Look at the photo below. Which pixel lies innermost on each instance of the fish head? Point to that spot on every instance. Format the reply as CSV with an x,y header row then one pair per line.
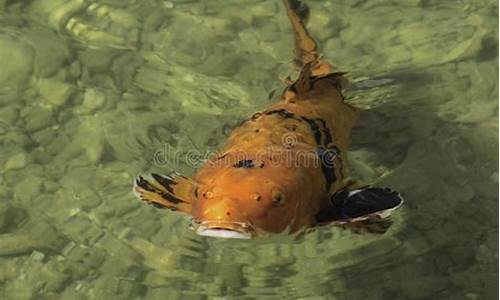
x,y
245,203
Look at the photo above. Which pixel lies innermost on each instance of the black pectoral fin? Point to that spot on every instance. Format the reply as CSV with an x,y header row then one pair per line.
x,y
174,192
367,207
366,202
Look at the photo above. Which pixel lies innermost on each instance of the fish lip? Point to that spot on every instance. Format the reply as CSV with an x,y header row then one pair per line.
x,y
223,229
223,233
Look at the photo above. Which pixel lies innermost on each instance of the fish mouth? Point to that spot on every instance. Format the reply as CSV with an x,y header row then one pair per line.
x,y
221,229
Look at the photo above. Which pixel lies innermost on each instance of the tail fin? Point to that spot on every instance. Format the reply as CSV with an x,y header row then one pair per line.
x,y
305,46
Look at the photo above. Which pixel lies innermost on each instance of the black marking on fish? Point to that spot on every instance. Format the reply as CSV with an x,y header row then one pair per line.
x,y
143,183
215,160
335,149
282,113
324,142
171,198
327,140
156,205
311,122
322,136
327,158
255,116
319,133
166,182
220,157
301,9
241,123
315,129
327,151
341,163
244,163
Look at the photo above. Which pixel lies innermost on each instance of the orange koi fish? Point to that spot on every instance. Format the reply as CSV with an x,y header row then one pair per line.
x,y
283,169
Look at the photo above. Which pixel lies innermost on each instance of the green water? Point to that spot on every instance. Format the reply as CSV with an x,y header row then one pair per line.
x,y
94,93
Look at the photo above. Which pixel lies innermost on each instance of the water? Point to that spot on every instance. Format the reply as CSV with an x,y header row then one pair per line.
x,y
94,93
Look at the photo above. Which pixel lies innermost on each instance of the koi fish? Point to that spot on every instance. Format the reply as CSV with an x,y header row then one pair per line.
x,y
284,169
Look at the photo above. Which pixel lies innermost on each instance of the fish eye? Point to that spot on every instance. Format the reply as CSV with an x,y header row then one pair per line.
x,y
278,198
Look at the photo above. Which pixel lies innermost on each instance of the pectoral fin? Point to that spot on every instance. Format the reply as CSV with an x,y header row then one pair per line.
x,y
366,209
174,192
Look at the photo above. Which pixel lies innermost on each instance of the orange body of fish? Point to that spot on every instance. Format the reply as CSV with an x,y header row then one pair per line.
x,y
284,168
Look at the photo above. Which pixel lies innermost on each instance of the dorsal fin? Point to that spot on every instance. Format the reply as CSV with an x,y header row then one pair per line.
x,y
304,83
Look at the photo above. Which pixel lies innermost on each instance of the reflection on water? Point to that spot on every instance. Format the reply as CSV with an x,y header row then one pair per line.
x,y
90,91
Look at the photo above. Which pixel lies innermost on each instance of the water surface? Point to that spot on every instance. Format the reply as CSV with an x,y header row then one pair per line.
x,y
93,93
